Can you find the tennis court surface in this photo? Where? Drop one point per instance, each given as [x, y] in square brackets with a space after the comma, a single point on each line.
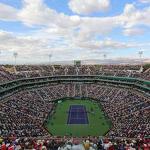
[77, 115]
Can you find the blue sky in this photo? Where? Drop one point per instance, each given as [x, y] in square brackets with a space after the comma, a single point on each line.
[73, 29]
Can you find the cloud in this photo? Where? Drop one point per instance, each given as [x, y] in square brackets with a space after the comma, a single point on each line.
[39, 46]
[37, 13]
[144, 1]
[22, 44]
[33, 14]
[33, 48]
[8, 13]
[133, 31]
[90, 28]
[70, 36]
[88, 6]
[104, 45]
[132, 17]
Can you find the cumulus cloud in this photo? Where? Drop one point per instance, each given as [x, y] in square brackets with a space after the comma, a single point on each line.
[144, 1]
[41, 46]
[132, 17]
[74, 34]
[133, 31]
[88, 6]
[97, 26]
[22, 44]
[38, 13]
[36, 46]
[35, 12]
[8, 13]
[104, 45]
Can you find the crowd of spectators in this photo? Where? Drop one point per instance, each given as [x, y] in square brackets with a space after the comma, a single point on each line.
[128, 110]
[27, 71]
[66, 143]
[22, 114]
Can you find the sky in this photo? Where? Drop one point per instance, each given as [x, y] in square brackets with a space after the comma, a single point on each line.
[73, 30]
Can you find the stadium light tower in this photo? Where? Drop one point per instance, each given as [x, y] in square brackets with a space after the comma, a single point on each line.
[105, 56]
[50, 57]
[15, 54]
[0, 54]
[140, 56]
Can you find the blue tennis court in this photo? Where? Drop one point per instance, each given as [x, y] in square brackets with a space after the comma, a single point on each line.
[77, 115]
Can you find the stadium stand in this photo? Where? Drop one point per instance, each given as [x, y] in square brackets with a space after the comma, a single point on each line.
[8, 73]
[23, 113]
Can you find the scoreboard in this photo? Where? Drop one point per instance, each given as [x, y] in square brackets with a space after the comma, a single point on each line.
[77, 63]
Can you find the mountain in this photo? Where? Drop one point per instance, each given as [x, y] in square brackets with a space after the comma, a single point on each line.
[106, 61]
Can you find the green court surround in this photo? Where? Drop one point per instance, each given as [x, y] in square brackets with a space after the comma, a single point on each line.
[56, 123]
